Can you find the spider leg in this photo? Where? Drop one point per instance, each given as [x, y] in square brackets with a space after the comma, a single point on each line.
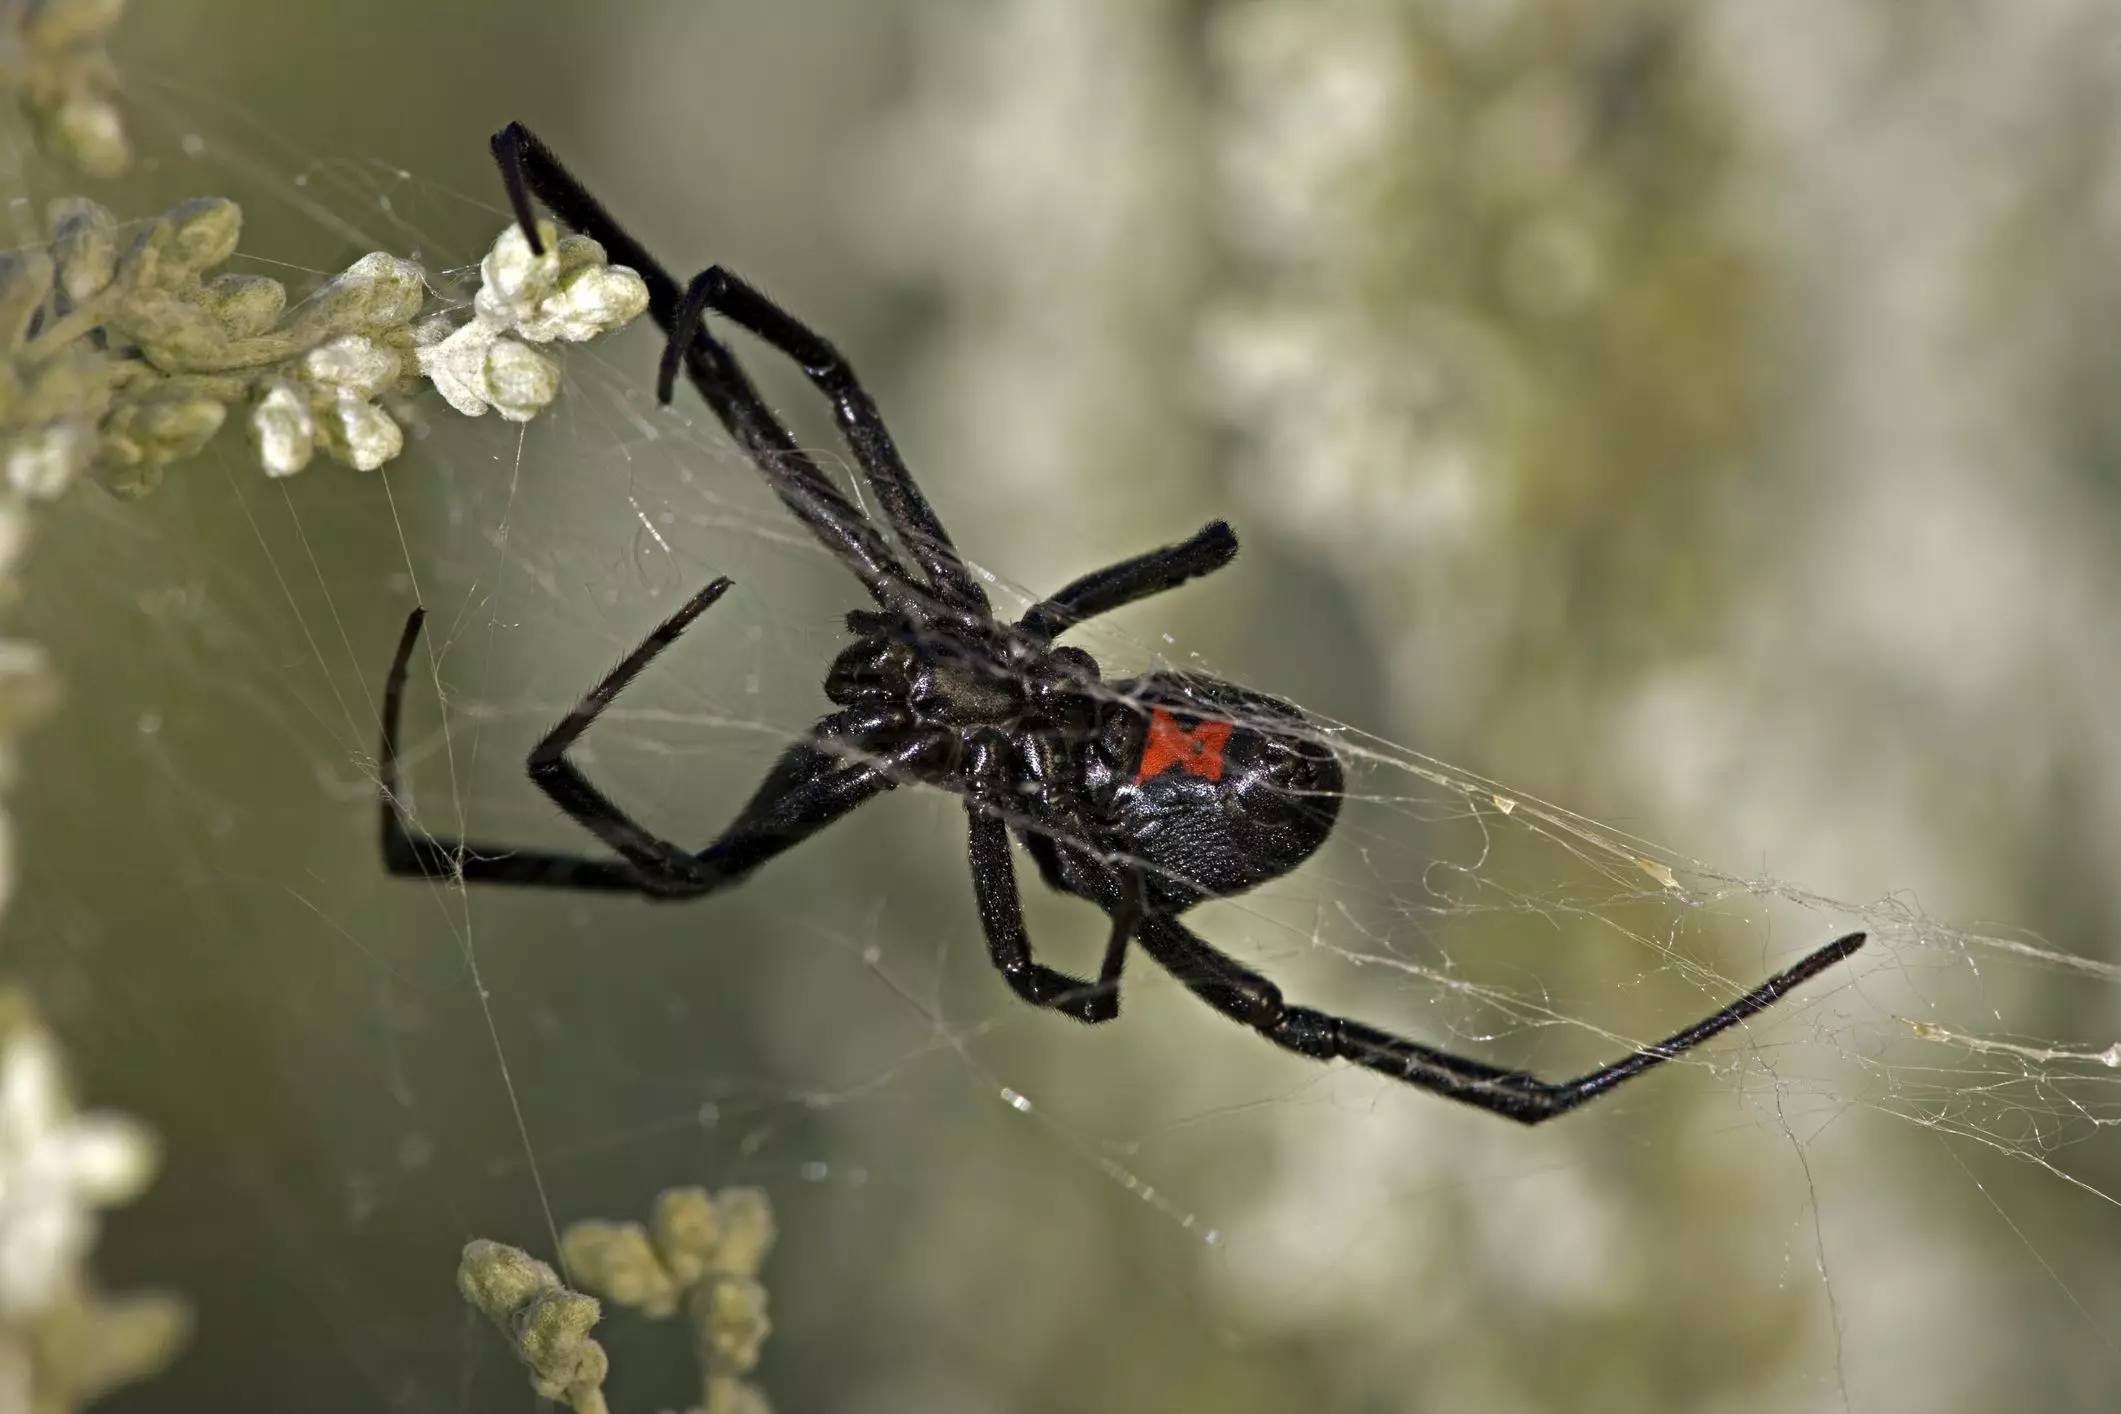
[1001, 913]
[1001, 908]
[426, 856]
[815, 783]
[853, 409]
[1245, 996]
[569, 789]
[1102, 591]
[529, 168]
[810, 787]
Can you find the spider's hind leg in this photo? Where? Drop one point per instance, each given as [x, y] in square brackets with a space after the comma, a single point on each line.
[1243, 995]
[1001, 912]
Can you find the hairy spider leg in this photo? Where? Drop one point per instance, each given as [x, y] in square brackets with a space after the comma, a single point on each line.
[528, 168]
[816, 782]
[1245, 996]
[1001, 908]
[1102, 591]
[860, 422]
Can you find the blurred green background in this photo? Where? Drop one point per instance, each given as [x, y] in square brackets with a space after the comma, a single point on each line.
[1699, 415]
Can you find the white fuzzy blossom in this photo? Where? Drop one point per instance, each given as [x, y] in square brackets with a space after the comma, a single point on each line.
[40, 463]
[122, 358]
[57, 1168]
[64, 1343]
[569, 292]
[284, 430]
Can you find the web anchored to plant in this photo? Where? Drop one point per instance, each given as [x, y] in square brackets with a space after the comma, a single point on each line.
[124, 356]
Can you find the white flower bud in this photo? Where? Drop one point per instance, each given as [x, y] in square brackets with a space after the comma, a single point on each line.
[112, 1158]
[359, 433]
[518, 380]
[88, 132]
[376, 294]
[246, 305]
[510, 276]
[284, 431]
[355, 364]
[56, 1167]
[40, 461]
[594, 300]
[85, 245]
[175, 421]
[194, 236]
[395, 290]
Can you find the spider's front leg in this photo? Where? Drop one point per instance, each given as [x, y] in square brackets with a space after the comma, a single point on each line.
[530, 168]
[1137, 578]
[860, 421]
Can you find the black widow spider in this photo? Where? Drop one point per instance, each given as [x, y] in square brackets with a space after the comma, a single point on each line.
[1143, 796]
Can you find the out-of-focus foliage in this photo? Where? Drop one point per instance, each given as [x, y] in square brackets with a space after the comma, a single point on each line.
[1484, 330]
[701, 1256]
[64, 1342]
[55, 64]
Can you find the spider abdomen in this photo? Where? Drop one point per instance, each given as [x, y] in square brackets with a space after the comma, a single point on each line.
[1215, 789]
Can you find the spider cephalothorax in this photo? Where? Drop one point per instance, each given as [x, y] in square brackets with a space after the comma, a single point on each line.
[1204, 788]
[1145, 796]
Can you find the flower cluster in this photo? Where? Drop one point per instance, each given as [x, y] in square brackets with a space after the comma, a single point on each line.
[569, 293]
[546, 1323]
[122, 361]
[699, 1255]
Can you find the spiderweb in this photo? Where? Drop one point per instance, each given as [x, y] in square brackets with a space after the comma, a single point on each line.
[1895, 1188]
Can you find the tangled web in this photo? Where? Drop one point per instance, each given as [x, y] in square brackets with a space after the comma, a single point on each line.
[357, 1073]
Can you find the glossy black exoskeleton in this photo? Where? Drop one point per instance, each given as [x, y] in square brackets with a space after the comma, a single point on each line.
[1145, 796]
